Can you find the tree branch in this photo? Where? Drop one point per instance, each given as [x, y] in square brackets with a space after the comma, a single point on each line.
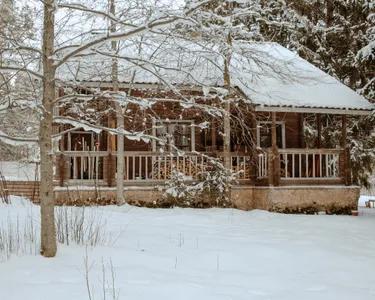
[162, 21]
[81, 7]
[21, 69]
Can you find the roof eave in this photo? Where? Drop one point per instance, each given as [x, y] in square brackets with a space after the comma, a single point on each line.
[316, 110]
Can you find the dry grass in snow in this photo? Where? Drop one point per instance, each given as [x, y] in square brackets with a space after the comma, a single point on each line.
[200, 254]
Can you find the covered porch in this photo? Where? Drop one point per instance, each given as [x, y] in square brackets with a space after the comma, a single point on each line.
[279, 155]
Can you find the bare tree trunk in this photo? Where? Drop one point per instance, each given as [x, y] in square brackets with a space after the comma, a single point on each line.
[227, 131]
[119, 118]
[48, 232]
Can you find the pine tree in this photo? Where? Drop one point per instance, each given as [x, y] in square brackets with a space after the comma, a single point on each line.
[316, 30]
[338, 36]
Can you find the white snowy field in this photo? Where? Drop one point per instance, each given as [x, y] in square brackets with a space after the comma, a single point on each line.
[203, 254]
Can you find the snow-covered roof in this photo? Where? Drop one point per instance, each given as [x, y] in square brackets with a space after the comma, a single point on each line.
[309, 86]
[268, 74]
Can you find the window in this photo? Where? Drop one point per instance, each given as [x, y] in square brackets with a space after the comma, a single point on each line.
[174, 134]
[82, 141]
[264, 134]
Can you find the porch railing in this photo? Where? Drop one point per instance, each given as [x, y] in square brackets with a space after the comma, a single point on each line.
[301, 165]
[285, 165]
[157, 166]
[143, 165]
[309, 163]
[83, 165]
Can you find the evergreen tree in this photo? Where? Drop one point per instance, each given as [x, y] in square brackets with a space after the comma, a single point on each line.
[337, 36]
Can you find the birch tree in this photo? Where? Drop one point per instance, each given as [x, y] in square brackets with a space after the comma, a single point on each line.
[119, 116]
[48, 231]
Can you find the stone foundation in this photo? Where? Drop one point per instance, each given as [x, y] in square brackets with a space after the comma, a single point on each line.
[285, 199]
[298, 199]
[79, 195]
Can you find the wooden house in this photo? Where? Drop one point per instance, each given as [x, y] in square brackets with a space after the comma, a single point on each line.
[268, 151]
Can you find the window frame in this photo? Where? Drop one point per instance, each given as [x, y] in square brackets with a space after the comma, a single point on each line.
[282, 123]
[93, 137]
[156, 123]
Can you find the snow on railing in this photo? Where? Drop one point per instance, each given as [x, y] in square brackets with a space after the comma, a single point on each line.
[159, 166]
[148, 166]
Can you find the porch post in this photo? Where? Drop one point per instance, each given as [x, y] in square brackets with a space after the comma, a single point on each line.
[192, 133]
[227, 85]
[302, 143]
[61, 168]
[319, 126]
[343, 131]
[275, 153]
[213, 135]
[109, 170]
[226, 150]
[253, 150]
[344, 146]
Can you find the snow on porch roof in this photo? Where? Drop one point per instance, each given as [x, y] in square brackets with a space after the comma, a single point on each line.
[269, 75]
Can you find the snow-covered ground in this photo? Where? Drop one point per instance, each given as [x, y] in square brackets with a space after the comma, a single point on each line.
[204, 254]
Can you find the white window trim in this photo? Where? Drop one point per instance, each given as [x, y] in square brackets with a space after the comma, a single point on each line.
[166, 121]
[282, 123]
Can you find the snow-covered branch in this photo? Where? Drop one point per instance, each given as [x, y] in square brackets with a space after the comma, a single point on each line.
[17, 141]
[81, 7]
[21, 69]
[158, 22]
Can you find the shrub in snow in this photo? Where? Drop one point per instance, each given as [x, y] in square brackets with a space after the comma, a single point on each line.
[211, 189]
[217, 182]
[177, 190]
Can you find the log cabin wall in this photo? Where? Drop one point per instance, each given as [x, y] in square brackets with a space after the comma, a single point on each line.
[140, 119]
[95, 110]
[293, 137]
[137, 119]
